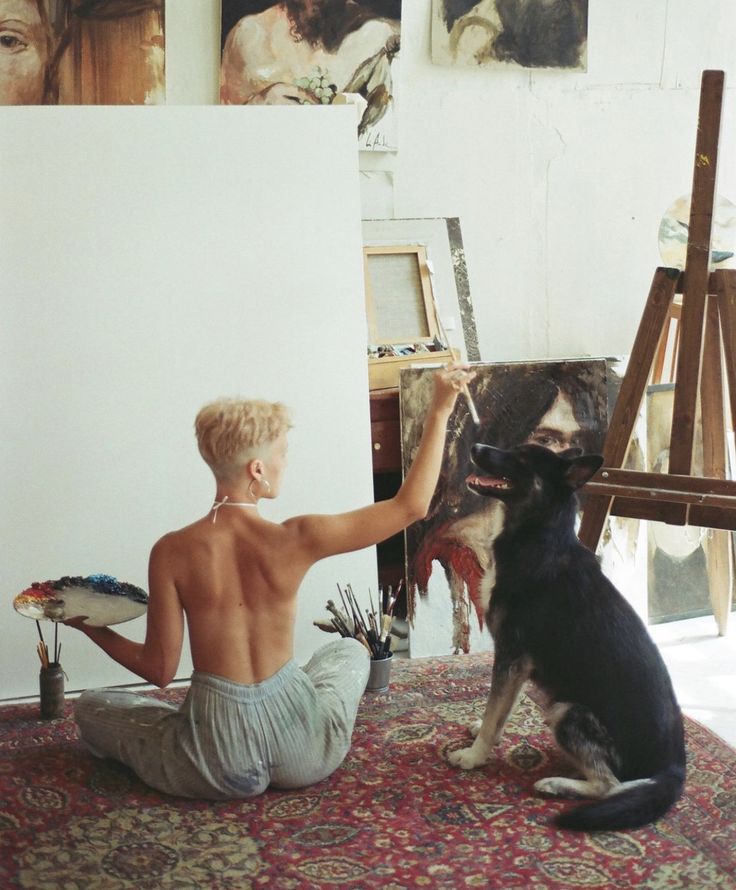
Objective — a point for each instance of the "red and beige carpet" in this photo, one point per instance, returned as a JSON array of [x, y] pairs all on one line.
[[394, 816]]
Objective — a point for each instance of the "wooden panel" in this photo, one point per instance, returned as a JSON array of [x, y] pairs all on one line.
[[385, 405], [646, 485], [386, 445], [677, 500], [713, 517], [658, 511]]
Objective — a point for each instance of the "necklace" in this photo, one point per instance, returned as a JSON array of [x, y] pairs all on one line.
[[226, 502]]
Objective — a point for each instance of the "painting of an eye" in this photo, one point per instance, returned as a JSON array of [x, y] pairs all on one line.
[[546, 441], [12, 42]]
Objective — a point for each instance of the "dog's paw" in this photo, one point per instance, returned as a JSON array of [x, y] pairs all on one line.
[[475, 727], [467, 758], [552, 786]]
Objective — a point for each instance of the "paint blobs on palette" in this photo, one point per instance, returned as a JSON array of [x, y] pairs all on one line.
[[102, 598]]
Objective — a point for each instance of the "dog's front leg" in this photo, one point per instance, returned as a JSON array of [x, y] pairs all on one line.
[[507, 681]]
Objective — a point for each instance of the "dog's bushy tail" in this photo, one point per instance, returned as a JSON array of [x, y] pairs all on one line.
[[637, 806]]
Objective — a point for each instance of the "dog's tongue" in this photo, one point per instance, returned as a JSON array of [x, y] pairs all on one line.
[[486, 481]]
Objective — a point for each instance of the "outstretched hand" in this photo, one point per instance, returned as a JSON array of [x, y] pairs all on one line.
[[448, 382]]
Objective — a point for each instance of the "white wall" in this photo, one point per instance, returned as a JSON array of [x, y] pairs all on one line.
[[154, 259], [560, 179]]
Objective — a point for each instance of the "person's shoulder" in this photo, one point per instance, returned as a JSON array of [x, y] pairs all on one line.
[[298, 530], [177, 539], [164, 544]]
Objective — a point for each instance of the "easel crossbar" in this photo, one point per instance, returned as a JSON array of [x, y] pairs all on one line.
[[703, 491]]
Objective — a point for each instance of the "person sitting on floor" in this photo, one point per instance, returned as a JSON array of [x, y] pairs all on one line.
[[252, 718]]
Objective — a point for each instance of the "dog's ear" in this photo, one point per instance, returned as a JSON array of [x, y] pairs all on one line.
[[581, 469]]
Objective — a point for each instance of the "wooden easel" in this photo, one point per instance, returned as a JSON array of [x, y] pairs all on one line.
[[707, 342]]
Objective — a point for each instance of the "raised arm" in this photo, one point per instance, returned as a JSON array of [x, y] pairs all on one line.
[[156, 659], [323, 535]]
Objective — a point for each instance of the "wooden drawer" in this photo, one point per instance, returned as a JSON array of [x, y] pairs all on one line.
[[386, 445], [385, 431]]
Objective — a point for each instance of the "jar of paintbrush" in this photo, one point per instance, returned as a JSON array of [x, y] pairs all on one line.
[[373, 631], [51, 679]]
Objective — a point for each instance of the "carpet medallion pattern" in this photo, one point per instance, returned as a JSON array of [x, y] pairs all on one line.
[[394, 815]]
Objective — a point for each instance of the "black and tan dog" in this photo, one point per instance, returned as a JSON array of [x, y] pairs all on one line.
[[557, 620]]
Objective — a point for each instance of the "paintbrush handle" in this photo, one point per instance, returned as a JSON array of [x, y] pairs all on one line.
[[471, 405]]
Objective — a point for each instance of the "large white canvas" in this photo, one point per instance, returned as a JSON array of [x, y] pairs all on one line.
[[154, 259]]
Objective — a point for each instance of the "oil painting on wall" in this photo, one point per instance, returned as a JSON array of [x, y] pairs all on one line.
[[317, 53], [503, 33], [82, 52], [556, 404]]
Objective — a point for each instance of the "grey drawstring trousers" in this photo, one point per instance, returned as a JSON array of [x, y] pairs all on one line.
[[229, 740]]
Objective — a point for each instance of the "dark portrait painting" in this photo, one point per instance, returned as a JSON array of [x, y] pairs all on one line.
[[82, 52], [555, 404], [526, 33], [319, 52]]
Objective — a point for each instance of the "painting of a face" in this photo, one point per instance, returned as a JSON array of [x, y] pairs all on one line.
[[557, 405], [502, 33], [24, 52], [559, 428], [96, 52]]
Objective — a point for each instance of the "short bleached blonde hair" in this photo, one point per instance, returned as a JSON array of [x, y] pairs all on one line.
[[232, 432]]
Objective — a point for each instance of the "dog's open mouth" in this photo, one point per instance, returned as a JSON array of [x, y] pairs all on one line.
[[486, 484]]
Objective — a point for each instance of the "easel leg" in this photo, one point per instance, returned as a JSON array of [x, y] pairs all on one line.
[[718, 541], [720, 575], [696, 277], [626, 410], [724, 286], [721, 542]]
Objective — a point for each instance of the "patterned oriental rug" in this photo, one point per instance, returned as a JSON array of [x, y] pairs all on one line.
[[395, 815]]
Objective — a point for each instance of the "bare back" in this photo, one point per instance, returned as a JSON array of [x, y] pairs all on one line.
[[237, 581]]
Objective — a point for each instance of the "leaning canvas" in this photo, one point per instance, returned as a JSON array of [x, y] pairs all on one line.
[[511, 33], [292, 53], [556, 404]]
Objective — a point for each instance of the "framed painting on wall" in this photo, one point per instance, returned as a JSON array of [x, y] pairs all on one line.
[[82, 52], [510, 33], [291, 53]]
